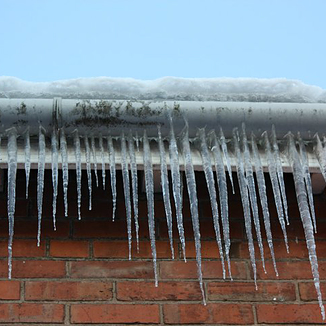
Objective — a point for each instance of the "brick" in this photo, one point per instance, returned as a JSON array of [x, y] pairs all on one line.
[[23, 248], [212, 313], [34, 269], [288, 313], [308, 291], [10, 290], [115, 313], [143, 291], [68, 290], [245, 291], [211, 269], [119, 249], [31, 313], [112, 269], [76, 249], [209, 249]]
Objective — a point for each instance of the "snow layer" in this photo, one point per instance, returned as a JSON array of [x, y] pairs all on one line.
[[167, 88]]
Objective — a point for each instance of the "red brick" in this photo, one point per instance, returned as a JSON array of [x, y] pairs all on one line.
[[143, 291], [70, 248], [308, 291], [33, 269], [288, 313], [209, 249], [119, 249], [213, 313], [115, 313], [10, 290], [31, 313], [245, 291], [112, 269], [211, 269], [99, 290], [23, 248]]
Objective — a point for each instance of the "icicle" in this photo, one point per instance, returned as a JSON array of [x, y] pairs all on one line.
[[89, 171], [301, 193], [64, 157], [134, 183], [307, 179], [12, 170], [279, 170], [191, 186], [126, 188], [319, 151], [245, 201], [223, 196], [27, 146], [40, 180], [78, 170], [176, 187], [137, 141], [275, 186], [112, 175], [226, 156], [102, 159], [165, 188], [54, 158], [252, 192], [263, 197], [149, 185], [94, 155], [210, 182]]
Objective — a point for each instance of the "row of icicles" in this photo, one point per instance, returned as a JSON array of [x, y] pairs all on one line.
[[215, 154]]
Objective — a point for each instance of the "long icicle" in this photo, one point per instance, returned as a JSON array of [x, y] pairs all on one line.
[[305, 215], [134, 183], [176, 185], [112, 175], [252, 192], [149, 185], [126, 188], [210, 183], [279, 170], [100, 140], [12, 171], [40, 181], [263, 197], [89, 171], [94, 156], [223, 196], [191, 186], [275, 186], [65, 175], [245, 202], [78, 171], [55, 172], [165, 189], [27, 149]]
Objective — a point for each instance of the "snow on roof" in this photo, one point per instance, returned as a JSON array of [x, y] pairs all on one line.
[[167, 88]]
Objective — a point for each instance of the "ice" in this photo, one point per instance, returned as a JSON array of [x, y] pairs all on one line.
[[210, 182], [307, 179], [263, 197], [279, 170], [78, 170], [300, 188], [100, 140], [89, 171], [27, 149], [223, 196], [252, 192], [134, 183], [65, 175], [275, 186], [12, 170], [112, 175], [165, 188], [192, 192], [319, 152], [94, 156], [149, 185], [137, 141], [126, 188], [55, 172], [245, 201], [40, 181], [176, 187]]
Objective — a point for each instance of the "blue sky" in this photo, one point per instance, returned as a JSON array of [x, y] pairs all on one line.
[[48, 40]]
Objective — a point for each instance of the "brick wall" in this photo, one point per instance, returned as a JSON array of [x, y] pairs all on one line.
[[81, 275]]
